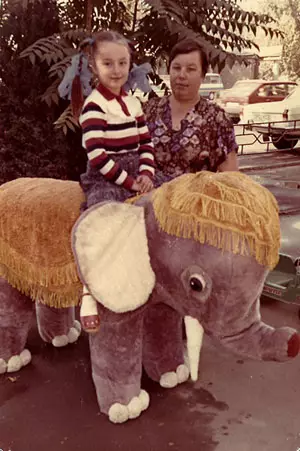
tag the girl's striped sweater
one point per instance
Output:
(111, 125)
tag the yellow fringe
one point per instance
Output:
(57, 286)
(225, 210)
(59, 297)
(37, 216)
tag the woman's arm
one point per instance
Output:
(229, 144)
(230, 164)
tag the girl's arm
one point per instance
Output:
(94, 125)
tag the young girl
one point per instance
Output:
(116, 138)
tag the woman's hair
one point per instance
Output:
(104, 36)
(187, 46)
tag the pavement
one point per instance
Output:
(236, 405)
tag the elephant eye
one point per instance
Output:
(197, 283)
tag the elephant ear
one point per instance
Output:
(111, 250)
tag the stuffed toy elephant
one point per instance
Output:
(196, 250)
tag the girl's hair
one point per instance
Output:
(104, 36)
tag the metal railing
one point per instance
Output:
(267, 134)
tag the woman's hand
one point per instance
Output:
(145, 183)
(230, 164)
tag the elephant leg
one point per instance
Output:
(263, 342)
(16, 313)
(116, 358)
(57, 326)
(163, 349)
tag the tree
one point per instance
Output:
(155, 26)
(219, 25)
(287, 13)
(28, 146)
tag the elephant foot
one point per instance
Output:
(15, 363)
(72, 336)
(172, 378)
(120, 413)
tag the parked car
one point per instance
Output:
(283, 282)
(246, 92)
(276, 121)
(212, 86)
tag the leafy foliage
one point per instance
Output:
(219, 25)
(105, 14)
(287, 13)
(28, 146)
(155, 26)
(57, 50)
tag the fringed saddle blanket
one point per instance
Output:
(36, 219)
(227, 210)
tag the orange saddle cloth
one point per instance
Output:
(36, 220)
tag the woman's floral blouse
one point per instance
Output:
(205, 139)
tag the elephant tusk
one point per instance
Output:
(194, 333)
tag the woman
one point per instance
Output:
(189, 133)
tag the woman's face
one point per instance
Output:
(186, 75)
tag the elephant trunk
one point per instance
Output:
(194, 334)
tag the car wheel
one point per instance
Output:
(283, 143)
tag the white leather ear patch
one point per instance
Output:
(111, 249)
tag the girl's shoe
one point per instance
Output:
(90, 323)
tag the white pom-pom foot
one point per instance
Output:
(73, 335)
(60, 341)
(77, 326)
(63, 340)
(172, 378)
(182, 373)
(118, 413)
(25, 357)
(15, 363)
(169, 380)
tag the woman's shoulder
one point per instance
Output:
(152, 104)
(211, 108)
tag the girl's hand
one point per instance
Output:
(145, 183)
(136, 186)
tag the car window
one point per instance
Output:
(266, 91)
(212, 79)
(291, 88)
(294, 94)
(280, 90)
(244, 89)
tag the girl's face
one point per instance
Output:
(112, 62)
(186, 75)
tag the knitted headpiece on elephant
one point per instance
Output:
(198, 248)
